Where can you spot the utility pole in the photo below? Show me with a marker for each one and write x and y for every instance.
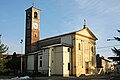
(0, 38)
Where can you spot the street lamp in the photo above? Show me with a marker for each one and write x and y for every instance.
(21, 53)
(21, 45)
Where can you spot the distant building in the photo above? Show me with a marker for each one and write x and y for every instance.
(103, 65)
(67, 54)
(106, 65)
(5, 55)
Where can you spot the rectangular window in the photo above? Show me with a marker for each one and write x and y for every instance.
(87, 67)
(44, 50)
(68, 66)
(40, 57)
(52, 49)
(40, 63)
(41, 51)
(93, 60)
(68, 49)
(79, 46)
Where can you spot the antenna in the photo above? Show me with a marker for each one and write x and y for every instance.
(32, 2)
(84, 24)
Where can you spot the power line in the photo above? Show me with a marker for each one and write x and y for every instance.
(107, 46)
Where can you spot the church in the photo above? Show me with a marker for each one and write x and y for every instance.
(67, 54)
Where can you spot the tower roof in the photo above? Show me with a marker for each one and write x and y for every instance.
(31, 8)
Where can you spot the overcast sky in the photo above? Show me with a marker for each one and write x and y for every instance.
(62, 16)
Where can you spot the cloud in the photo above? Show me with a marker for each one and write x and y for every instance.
(98, 7)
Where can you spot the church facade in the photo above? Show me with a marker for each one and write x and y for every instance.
(67, 54)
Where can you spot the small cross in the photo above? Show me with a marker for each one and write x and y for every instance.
(84, 23)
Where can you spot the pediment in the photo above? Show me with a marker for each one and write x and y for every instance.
(87, 33)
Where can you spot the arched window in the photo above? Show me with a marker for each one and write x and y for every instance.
(35, 15)
(92, 49)
(35, 35)
(28, 15)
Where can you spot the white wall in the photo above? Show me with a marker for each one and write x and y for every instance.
(54, 59)
(30, 62)
(66, 60)
(44, 55)
(106, 65)
(57, 61)
(60, 57)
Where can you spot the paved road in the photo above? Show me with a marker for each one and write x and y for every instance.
(102, 77)
(92, 77)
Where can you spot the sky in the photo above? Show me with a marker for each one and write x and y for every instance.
(61, 16)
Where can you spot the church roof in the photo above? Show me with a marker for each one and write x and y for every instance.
(57, 36)
(95, 38)
(88, 32)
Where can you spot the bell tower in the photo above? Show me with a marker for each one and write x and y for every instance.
(32, 29)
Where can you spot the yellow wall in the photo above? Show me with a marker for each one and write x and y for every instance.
(84, 53)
